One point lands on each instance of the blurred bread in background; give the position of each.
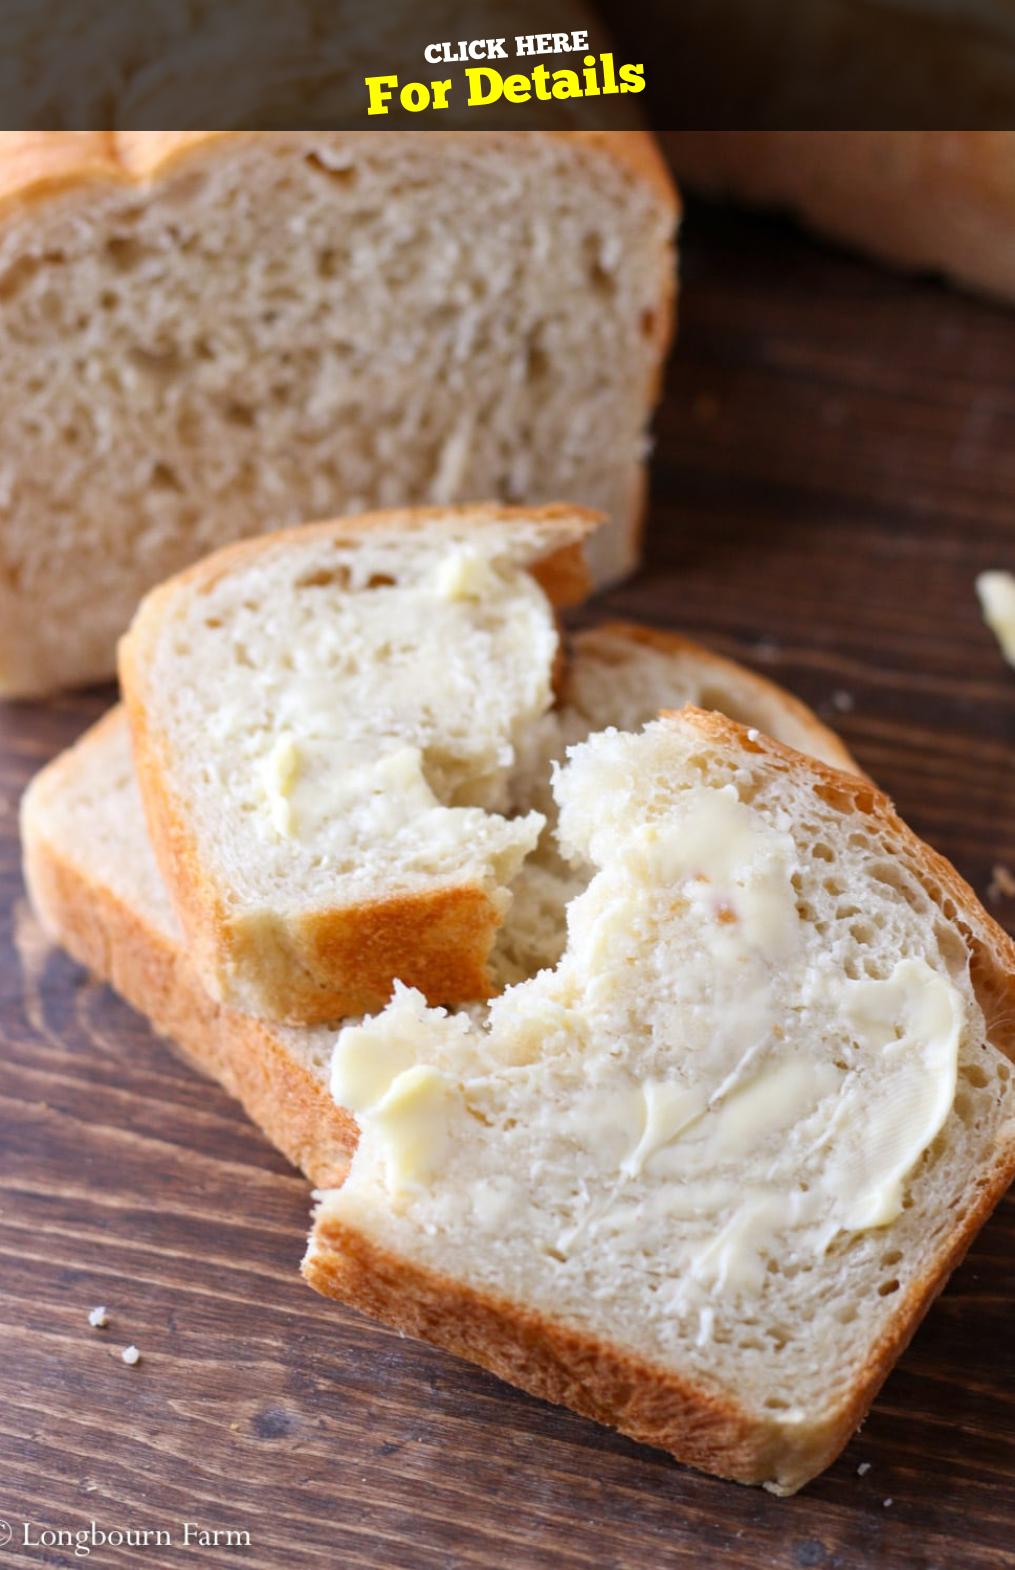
(209, 334)
(932, 201)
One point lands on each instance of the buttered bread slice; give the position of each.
(701, 1180)
(325, 726)
(96, 888)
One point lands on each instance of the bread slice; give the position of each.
(97, 890)
(209, 334)
(94, 885)
(325, 725)
(702, 1180)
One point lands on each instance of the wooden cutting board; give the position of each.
(835, 462)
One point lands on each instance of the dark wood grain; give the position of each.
(835, 462)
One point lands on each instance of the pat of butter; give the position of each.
(412, 1121)
(363, 1066)
(669, 1111)
(910, 1025)
(734, 867)
(280, 771)
(465, 575)
(404, 1105)
(997, 600)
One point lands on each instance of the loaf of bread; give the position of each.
(930, 201)
(325, 724)
(97, 890)
(701, 1180)
(207, 334)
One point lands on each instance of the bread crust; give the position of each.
(820, 736)
(334, 962)
(35, 164)
(563, 1363)
(119, 945)
(941, 201)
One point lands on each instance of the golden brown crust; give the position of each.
(933, 200)
(150, 969)
(820, 736)
(563, 1363)
(340, 961)
(34, 163)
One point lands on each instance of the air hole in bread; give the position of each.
(165, 478)
(341, 174)
(160, 364)
(125, 252)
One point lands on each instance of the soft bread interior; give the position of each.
(337, 715)
(734, 1133)
(622, 674)
(306, 324)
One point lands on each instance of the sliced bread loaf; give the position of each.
(702, 1180)
(325, 726)
(97, 890)
(208, 334)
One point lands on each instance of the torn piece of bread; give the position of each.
(325, 725)
(702, 1180)
(209, 334)
(623, 674)
(96, 889)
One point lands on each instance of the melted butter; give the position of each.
(910, 1024)
(281, 769)
(794, 1152)
(412, 1121)
(404, 1106)
(733, 868)
(363, 1065)
(669, 1111)
(465, 575)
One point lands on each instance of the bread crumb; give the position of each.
(863, 1469)
(98, 1318)
(996, 591)
(843, 701)
(131, 1355)
(1002, 883)
(752, 734)
(887, 1502)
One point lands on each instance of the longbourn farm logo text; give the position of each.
(84, 1540)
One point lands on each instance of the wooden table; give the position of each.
(835, 462)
